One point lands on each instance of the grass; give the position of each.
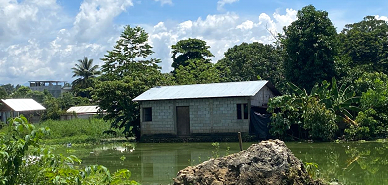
(77, 131)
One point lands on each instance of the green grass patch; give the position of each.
(77, 131)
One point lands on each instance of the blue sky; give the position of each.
(43, 39)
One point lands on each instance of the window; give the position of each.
(239, 111)
(147, 114)
(242, 109)
(245, 111)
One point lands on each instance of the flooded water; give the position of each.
(158, 163)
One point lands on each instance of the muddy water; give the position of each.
(158, 163)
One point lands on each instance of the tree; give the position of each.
(372, 120)
(365, 43)
(320, 113)
(185, 50)
(9, 88)
(246, 62)
(198, 71)
(127, 72)
(310, 44)
(3, 93)
(86, 71)
(22, 92)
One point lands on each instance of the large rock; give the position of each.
(269, 162)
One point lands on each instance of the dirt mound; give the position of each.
(269, 162)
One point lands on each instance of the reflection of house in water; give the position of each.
(14, 107)
(162, 164)
(56, 88)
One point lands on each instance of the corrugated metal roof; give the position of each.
(83, 109)
(230, 89)
(20, 105)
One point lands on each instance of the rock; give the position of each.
(269, 162)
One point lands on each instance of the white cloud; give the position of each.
(163, 2)
(221, 32)
(39, 41)
(384, 18)
(221, 4)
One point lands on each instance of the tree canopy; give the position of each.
(310, 44)
(86, 72)
(251, 61)
(366, 44)
(185, 50)
(127, 72)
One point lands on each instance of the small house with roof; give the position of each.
(14, 107)
(187, 110)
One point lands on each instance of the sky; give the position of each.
(43, 39)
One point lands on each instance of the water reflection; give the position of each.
(349, 163)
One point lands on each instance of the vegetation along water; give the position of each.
(158, 163)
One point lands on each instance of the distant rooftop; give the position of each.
(229, 89)
(20, 105)
(93, 109)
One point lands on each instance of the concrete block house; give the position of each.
(187, 110)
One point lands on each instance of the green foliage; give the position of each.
(185, 50)
(310, 44)
(127, 72)
(316, 113)
(53, 110)
(215, 152)
(197, 71)
(319, 121)
(312, 169)
(246, 62)
(365, 43)
(9, 88)
(86, 72)
(3, 93)
(22, 92)
(372, 120)
(24, 161)
(76, 130)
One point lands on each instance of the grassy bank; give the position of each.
(77, 131)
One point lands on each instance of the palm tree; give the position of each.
(86, 71)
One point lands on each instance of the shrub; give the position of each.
(24, 161)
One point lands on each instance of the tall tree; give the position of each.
(185, 50)
(86, 72)
(252, 61)
(365, 43)
(310, 44)
(127, 72)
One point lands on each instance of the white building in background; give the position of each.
(15, 107)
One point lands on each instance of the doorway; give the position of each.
(183, 120)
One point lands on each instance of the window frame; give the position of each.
(147, 114)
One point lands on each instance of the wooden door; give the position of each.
(183, 120)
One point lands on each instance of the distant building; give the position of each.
(14, 107)
(56, 88)
(186, 110)
(83, 112)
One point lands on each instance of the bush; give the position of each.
(24, 161)
(319, 121)
(77, 130)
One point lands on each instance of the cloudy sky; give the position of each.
(43, 39)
